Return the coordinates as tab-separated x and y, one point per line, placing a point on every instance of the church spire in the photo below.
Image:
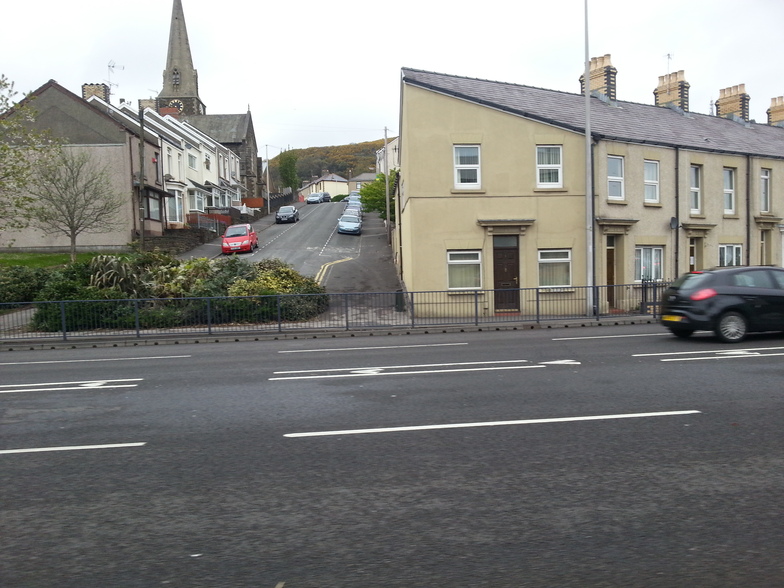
180	79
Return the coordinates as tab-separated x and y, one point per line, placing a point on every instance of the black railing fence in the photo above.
137	318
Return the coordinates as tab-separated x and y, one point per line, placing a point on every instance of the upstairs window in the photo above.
615	190
651	178
729	191
549	169
695	196
765	190
467	170
192	161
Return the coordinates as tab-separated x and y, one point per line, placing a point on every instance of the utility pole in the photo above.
589	254
266	154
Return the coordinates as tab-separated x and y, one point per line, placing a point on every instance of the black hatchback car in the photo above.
730	301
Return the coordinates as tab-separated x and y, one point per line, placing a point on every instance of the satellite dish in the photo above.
674	223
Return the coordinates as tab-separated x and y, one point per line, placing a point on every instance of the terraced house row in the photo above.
492	191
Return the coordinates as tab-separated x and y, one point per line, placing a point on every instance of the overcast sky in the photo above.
328	73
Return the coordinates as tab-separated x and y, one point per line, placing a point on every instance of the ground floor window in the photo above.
730	255
555	267
174	207
648	263
195	200
152	206
464	270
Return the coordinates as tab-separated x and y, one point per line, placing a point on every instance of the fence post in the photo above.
538	308
476	308
413	314
596	305
345	310
280	318
63	325
136	321
209	316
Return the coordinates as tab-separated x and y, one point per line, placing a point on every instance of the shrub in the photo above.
19	283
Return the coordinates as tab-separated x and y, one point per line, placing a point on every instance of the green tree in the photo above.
287	166
374	195
20	150
73	195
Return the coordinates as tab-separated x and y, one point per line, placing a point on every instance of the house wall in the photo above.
436	218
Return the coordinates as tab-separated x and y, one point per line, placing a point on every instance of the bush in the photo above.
19	283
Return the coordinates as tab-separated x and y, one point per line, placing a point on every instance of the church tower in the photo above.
180	79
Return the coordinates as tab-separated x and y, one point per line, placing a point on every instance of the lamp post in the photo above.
589	253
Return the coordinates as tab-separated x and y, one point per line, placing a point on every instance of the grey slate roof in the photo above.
622	121
224	128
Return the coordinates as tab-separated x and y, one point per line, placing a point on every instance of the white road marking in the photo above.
612	336
493	423
70	448
408	366
737	356
705	351
63	386
96	360
369	372
561	362
369	348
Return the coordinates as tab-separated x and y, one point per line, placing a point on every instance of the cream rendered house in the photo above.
492	193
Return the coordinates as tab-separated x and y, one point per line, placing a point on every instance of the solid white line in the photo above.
89	360
71	448
494	423
415	365
367	374
68	388
610	336
77	382
718	350
369	348
740	355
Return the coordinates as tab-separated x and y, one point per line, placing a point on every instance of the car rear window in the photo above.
690	281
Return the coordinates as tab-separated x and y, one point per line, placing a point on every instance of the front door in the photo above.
506	273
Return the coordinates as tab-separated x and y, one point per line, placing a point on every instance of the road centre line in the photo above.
366	372
413	365
370	348
493	424
96	360
70	448
612	336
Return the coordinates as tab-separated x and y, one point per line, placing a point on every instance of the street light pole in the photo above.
589	254
386	187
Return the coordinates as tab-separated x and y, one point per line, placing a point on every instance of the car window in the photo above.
752	279
691	281
236	231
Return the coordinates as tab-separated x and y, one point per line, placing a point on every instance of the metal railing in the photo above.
138	318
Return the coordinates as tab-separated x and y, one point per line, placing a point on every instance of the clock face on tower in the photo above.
176	104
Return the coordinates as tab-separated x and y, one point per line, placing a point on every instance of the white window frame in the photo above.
615	180
462	258
550	257
651	187
730	252
695	194
655	255
195	201
192	161
545	166
729	190
174	213
765	190
462	166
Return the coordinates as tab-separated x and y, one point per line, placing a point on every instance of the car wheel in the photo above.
732	327
682	333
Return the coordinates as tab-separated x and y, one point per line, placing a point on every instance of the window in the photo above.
464	270
174	207
729	191
179	165
651	178
207	161
648	263
169	162
614	177
152	206
467	173
196	200
549	170
730	255
191	161
695	198
765	190
555	267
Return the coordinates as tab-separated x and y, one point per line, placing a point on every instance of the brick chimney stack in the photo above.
672	89
100	90
735	101
776	110
602	77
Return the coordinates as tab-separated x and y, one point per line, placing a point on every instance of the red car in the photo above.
239	238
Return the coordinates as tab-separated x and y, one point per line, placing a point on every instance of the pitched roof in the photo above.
622	121
224	128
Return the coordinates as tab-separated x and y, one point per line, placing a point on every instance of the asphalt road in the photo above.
606	456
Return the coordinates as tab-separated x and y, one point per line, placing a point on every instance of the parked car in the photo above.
287	214
314	198
350	224
731	302
353	208
325	197
239	238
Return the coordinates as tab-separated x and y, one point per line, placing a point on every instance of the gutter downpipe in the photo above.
589	204
748	209
677	211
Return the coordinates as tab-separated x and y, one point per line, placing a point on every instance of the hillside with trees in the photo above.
345	160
